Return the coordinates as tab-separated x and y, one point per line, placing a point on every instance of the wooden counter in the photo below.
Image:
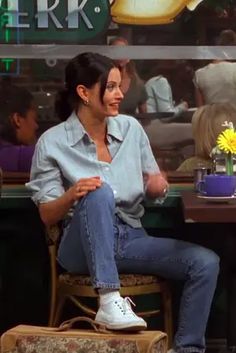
199	210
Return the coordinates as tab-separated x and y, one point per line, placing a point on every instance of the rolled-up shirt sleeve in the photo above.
46	181
149	164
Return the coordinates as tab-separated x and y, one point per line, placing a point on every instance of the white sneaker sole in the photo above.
124	327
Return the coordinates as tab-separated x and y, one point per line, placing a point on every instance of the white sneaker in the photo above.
117	314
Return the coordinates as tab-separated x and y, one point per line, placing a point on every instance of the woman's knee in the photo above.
103	194
207	261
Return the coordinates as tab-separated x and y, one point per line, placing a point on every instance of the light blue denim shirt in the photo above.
160	98
65	153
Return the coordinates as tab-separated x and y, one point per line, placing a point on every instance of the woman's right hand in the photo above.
53	211
82	187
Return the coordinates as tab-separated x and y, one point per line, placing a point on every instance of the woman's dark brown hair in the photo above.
13	100
86	69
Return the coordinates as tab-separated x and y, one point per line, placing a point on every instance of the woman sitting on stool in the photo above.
95	169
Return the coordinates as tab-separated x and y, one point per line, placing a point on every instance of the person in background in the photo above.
132	86
207	124
93	171
18	126
160	98
182	85
216	82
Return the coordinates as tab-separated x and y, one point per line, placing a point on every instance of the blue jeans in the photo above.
99	243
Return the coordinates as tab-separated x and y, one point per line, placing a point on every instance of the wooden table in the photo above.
198	210
201	211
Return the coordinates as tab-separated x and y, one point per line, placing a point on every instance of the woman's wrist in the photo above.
165	191
69	197
165	185
156	186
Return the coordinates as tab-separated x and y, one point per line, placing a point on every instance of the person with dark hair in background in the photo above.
216	82
132	86
93	171
18	126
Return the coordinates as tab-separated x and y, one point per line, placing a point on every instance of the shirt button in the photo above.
107	168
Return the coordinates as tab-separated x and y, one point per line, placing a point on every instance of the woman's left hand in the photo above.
156	185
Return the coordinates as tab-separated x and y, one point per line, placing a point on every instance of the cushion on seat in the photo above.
126	280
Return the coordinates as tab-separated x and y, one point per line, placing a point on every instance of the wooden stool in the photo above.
75	287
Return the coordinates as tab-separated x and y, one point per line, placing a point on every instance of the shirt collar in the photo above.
113	128
75	130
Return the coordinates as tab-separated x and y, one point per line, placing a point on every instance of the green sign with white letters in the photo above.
52	21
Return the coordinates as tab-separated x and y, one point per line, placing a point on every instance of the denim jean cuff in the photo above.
189	350
98	285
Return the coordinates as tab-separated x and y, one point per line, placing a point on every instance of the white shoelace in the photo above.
126	305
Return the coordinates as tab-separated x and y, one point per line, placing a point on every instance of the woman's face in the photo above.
26	127
112	95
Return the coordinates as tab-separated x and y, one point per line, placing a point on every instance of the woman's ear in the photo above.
16	120
82	92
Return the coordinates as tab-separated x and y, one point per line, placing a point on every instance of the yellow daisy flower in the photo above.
226	141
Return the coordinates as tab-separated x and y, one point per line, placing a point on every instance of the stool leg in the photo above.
59	306
52	312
